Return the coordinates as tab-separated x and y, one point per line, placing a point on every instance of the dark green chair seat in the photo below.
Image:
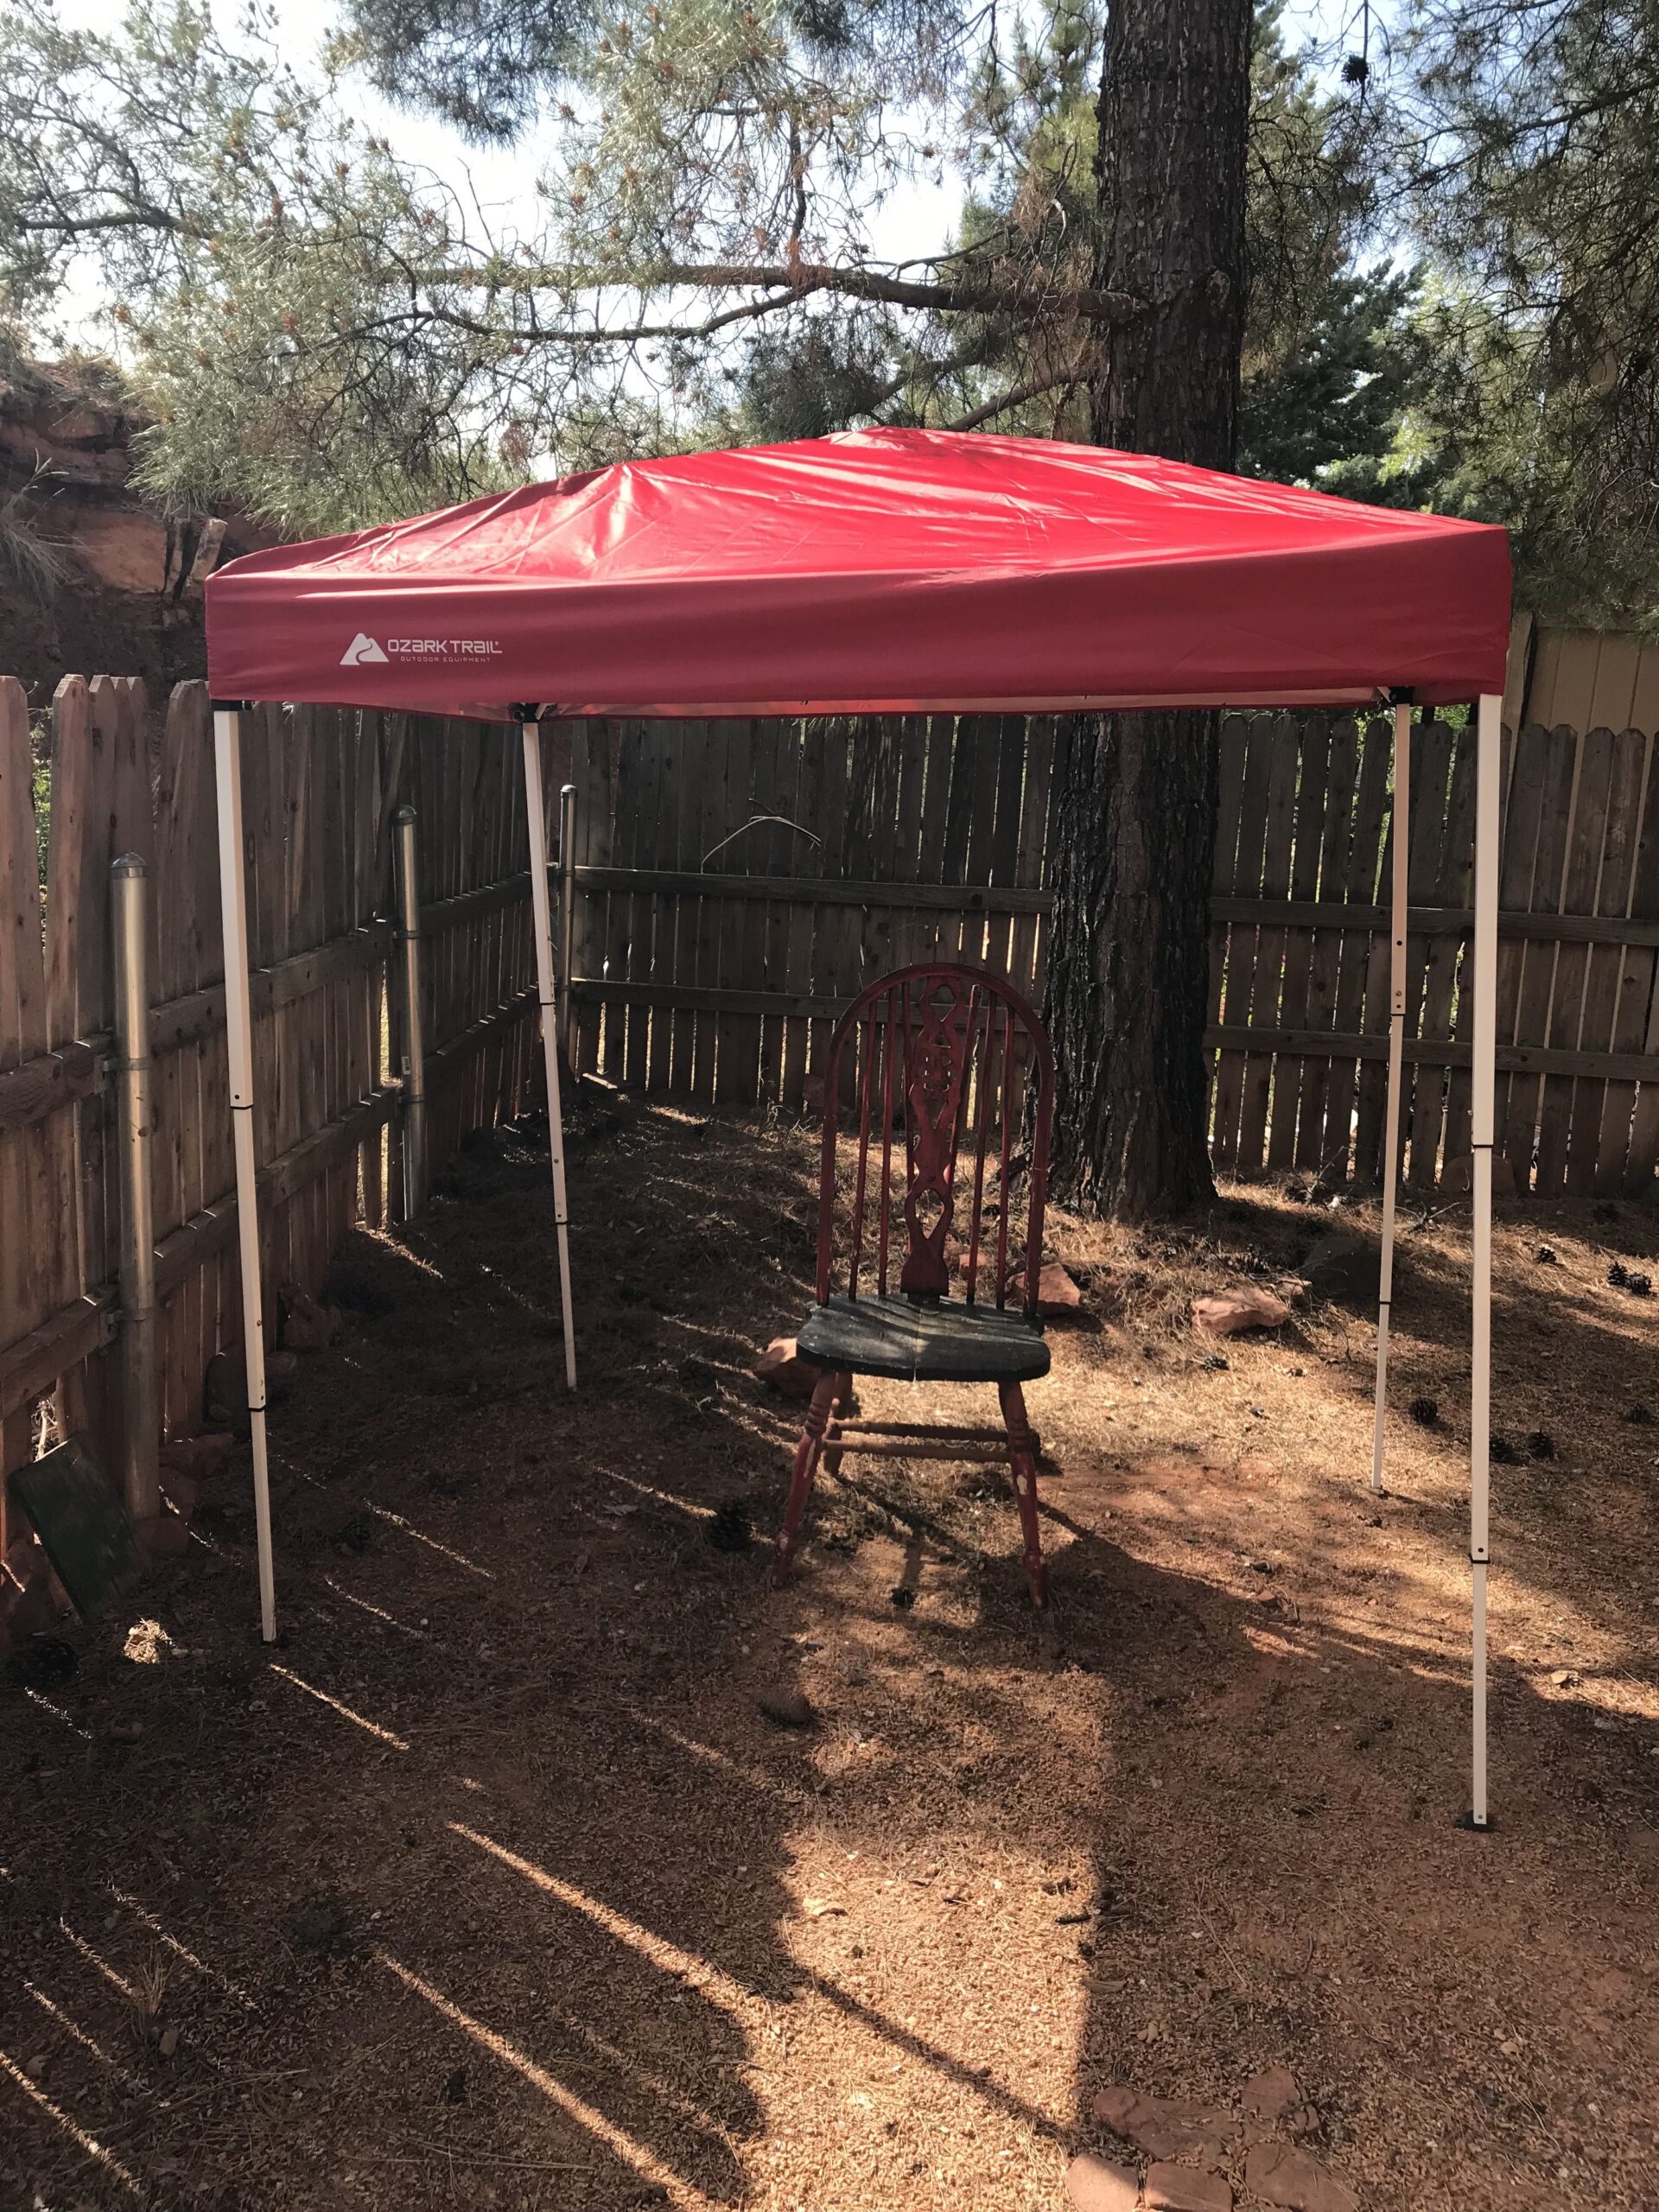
946	1342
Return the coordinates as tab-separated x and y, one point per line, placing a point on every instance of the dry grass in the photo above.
493	1887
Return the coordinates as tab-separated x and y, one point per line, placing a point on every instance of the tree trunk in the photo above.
1135	830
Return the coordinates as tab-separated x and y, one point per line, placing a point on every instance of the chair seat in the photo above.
949	1342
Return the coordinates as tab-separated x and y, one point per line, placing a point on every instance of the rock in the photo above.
1459	1179
1229	1312
225	1393
1295	2179
1057	1294
1565	1679
786	1709
781	1367
1271	2094
308	1325
1347	1270
1275	2095
1094	2184
198	1457
167	2041
165	1537
1183	2188
1167	2127
182	1492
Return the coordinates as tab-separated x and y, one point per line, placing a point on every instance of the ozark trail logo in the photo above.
363	649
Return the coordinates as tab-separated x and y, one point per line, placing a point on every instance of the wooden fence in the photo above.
320	786
739	881
735	884
1299	953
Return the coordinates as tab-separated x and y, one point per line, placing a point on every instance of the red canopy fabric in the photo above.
873	571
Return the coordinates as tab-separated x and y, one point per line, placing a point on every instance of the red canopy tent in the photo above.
876	571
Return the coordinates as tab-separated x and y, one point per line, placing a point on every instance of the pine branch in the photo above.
1016	397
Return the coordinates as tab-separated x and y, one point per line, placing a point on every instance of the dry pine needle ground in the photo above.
494	1887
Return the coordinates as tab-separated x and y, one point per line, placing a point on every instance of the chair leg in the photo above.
1022	1464
806	1467
843	1406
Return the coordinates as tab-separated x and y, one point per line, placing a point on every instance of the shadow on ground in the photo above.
492	1884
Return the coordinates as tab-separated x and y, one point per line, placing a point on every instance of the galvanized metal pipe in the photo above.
140	1401
413	1041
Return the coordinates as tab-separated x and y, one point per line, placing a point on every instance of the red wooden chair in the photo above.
944	1061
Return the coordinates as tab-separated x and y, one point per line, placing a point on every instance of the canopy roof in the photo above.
875	571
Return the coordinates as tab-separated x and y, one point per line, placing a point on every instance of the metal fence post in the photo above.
567	914
414	1054
140	1406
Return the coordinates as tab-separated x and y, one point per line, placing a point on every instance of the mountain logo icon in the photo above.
361	651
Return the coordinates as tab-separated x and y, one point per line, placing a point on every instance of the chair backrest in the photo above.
942	1070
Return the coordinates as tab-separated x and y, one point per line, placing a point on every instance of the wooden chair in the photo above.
943	1059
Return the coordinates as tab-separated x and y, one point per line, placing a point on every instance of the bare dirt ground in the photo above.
493	1886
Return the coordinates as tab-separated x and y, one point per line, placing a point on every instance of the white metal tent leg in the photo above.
233	892
1482	1106
1396	1063
535	807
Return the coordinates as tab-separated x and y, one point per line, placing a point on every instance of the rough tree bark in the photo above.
1128	963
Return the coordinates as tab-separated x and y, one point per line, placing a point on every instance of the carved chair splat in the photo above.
950	1075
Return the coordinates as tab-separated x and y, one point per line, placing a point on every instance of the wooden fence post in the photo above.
140	1419
414	1038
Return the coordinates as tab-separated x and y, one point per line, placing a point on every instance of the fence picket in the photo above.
1586	837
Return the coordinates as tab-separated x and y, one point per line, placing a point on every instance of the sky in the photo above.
915	219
